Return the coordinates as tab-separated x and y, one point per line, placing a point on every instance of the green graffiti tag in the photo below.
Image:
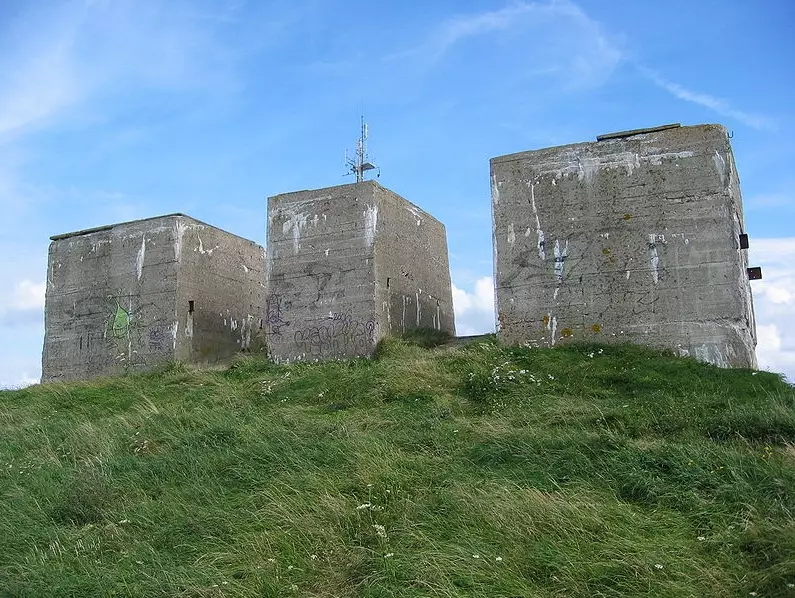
120	322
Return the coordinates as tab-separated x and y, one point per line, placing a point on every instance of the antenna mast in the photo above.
361	163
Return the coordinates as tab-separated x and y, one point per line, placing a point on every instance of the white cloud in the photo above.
28	295
23	305
718	105
774	304
474	311
56	59
557	34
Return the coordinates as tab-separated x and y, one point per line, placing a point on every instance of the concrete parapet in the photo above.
348	265
634	238
130	296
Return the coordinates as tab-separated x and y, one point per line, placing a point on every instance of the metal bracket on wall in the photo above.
744	241
755	273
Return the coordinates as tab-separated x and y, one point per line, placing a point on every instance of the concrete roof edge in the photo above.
607	137
96	229
368	181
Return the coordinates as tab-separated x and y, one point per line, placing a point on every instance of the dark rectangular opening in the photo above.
744	241
190	306
755	273
387	282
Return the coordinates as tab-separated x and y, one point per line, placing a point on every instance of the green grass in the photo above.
456	471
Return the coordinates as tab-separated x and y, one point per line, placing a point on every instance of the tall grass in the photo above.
458	471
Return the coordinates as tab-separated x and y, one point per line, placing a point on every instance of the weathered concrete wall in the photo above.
117	296
631	239
413	288
321	273
331	252
220	294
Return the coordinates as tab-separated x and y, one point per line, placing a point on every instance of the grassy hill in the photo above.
462	471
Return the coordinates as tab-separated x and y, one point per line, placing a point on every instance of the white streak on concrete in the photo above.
495	190
657	159
417	297
294	223
555	294
179	232
189	325
655	259
370	223
628	274
139	261
560	259
542	250
585	167
720	167
416	212
511	235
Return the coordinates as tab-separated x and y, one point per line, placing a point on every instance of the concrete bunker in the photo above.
637	237
349	265
131	296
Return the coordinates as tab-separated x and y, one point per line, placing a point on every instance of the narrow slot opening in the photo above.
387	282
190	306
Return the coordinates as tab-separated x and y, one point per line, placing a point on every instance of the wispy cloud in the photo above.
717	105
81	53
557	34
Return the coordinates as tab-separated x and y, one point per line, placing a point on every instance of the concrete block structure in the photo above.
637	237
130	296
348	265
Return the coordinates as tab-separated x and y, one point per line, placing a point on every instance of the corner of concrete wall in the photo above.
413	287
109	293
220	298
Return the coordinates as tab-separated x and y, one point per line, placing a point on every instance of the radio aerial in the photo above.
360	164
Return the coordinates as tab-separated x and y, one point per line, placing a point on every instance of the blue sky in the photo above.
112	110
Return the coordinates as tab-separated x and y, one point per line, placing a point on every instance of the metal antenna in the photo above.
361	163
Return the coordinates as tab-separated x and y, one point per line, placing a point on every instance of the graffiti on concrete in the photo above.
157	339
273	316
131	330
341	335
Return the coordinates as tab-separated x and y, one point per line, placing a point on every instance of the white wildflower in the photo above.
701	538
498	559
475	556
366	505
389	555
380	531
658	566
